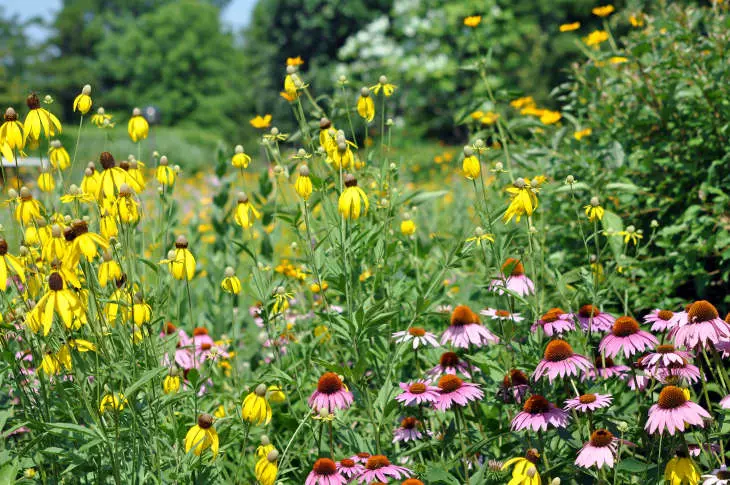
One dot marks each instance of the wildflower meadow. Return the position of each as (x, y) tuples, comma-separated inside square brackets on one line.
[(539, 298)]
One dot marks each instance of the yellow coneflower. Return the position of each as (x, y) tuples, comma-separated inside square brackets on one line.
[(276, 394), (240, 158), (365, 105), (9, 263), (231, 283), (383, 84), (112, 402), (407, 226), (267, 468), (84, 242), (137, 127), (524, 471), (83, 102), (81, 345), (630, 234), (265, 447), (11, 132), (473, 21), (342, 154), (303, 184), (480, 236), (171, 383), (101, 119), (579, 135), (259, 121), (182, 265), (28, 208), (60, 301), (58, 156), (570, 27), (202, 436), (37, 234), (108, 225), (90, 182), (141, 311), (134, 167), (594, 211), (327, 133), (220, 411), (45, 181), (292, 83), (470, 166), (524, 200), (50, 365), (75, 194), (118, 306), (681, 470), (39, 120), (256, 408), (603, 11), (109, 269), (56, 247), (245, 212), (353, 201), (126, 207), (164, 174)]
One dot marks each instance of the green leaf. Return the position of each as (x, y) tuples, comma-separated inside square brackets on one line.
[(146, 377), (8, 472), (613, 223)]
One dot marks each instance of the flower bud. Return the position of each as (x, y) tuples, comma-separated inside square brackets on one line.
[(383, 80), (229, 272), (86, 89), (468, 151), (260, 390), (570, 180), (136, 112), (364, 92)]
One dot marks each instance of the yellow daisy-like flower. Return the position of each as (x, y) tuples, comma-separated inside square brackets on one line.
[(84, 242), (524, 200), (388, 89), (550, 117), (523, 102), (141, 311), (524, 471), (603, 11), (594, 211), (108, 225), (58, 156), (471, 167), (231, 283), (165, 174), (245, 213), (294, 61), (407, 227), (579, 135), (256, 408), (480, 236), (171, 383), (473, 21), (220, 411), (630, 234), (292, 83), (353, 201), (91, 181), (55, 248), (101, 119), (28, 208), (50, 365), (81, 345), (112, 402), (45, 181), (8, 264), (37, 234), (342, 156), (365, 105), (11, 132), (570, 27), (261, 121), (681, 470), (39, 120), (489, 118), (596, 38), (83, 102), (111, 179), (117, 307), (303, 184), (182, 264), (126, 207), (109, 270), (240, 159), (137, 127), (319, 287), (202, 436), (267, 468), (60, 301), (276, 394)]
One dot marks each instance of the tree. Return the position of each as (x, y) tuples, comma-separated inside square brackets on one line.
[(17, 58)]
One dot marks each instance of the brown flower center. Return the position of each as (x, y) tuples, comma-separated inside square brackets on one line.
[(170, 328), (197, 331), (55, 282), (723, 475), (588, 311), (449, 359), (601, 438), (325, 466), (587, 398), (532, 455), (449, 383), (702, 311), (502, 313), (205, 346), (665, 315), (463, 315), (409, 423), (329, 383), (106, 160), (515, 377), (552, 315), (558, 350), (671, 397), (625, 326), (32, 101), (665, 349), (11, 115), (599, 361), (677, 365), (412, 481), (376, 462), (417, 331), (417, 388), (363, 455), (513, 267), (347, 463), (3, 247), (205, 421), (536, 405), (79, 227)]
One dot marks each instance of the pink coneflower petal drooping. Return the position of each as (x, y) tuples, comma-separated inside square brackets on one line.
[(514, 386), (325, 472), (417, 393), (593, 319), (560, 360), (513, 277), (725, 402), (418, 335), (503, 315), (704, 327), (349, 468), (330, 394), (466, 329), (663, 356), (605, 368), (379, 468), (451, 363), (626, 336), (599, 451), (662, 320), (554, 322), (408, 430), (537, 413), (678, 370), (719, 476), (455, 391), (673, 411), (589, 402)]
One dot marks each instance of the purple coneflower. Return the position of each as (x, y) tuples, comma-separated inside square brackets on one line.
[(514, 386), (673, 411), (361, 457), (466, 329), (516, 281), (495, 314), (626, 336), (725, 402), (455, 391), (349, 468), (589, 402), (662, 320), (537, 413), (599, 451), (663, 356), (719, 476), (554, 322), (408, 430), (682, 370), (704, 327), (418, 335), (560, 360), (417, 393), (379, 468), (593, 319), (330, 394), (325, 472), (450, 363), (605, 368)]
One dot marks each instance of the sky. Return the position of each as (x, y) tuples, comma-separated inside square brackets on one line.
[(236, 15)]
